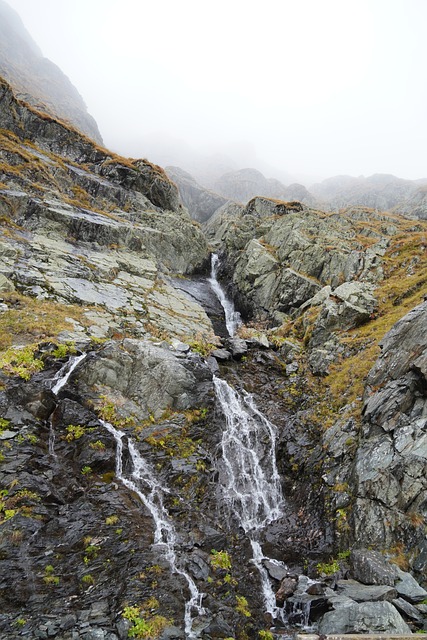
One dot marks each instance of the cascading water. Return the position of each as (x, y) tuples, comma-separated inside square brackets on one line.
[(60, 380), (251, 484), (232, 317), (143, 482)]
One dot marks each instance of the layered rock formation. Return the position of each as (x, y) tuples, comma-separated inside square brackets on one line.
[(36, 79), (87, 227)]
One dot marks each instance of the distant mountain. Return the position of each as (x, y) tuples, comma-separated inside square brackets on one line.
[(36, 79), (200, 202), (244, 184), (383, 192)]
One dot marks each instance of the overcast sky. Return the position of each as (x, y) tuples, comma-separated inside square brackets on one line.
[(312, 87)]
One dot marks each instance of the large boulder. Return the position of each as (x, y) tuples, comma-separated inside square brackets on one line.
[(364, 617)]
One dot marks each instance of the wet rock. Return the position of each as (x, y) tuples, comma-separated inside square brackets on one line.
[(143, 378), (276, 570), (286, 589), (365, 617), (363, 593)]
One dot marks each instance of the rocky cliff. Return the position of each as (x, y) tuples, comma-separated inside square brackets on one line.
[(36, 79), (83, 226), (200, 202)]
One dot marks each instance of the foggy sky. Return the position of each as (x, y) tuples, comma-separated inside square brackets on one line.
[(309, 87)]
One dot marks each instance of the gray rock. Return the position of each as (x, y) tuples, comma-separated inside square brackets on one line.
[(408, 609), (363, 593), (370, 567), (408, 587), (6, 284), (365, 617), (276, 570), (221, 354), (238, 347)]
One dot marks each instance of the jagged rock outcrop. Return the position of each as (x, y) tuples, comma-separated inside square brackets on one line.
[(36, 79), (281, 254), (200, 202), (391, 461), (59, 189)]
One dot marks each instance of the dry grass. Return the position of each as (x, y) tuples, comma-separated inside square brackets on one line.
[(29, 320)]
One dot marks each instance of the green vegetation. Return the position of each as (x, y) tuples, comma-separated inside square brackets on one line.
[(220, 560), (146, 623), (328, 568), (49, 577), (21, 362), (242, 606), (74, 432)]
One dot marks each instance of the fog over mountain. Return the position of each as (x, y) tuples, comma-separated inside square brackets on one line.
[(300, 91)]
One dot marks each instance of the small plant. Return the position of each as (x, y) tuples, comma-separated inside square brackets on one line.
[(242, 606), (88, 579), (97, 446), (86, 470), (220, 560), (328, 568), (63, 350), (112, 519), (74, 432), (265, 635), (20, 622), (143, 628), (49, 577)]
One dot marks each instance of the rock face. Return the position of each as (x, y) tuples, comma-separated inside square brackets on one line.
[(36, 79), (200, 202), (125, 216), (391, 462), (281, 255)]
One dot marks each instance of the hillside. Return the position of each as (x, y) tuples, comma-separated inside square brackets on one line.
[(36, 79), (160, 480)]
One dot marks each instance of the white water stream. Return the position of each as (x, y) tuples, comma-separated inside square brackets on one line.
[(144, 483), (232, 317), (251, 487), (60, 379)]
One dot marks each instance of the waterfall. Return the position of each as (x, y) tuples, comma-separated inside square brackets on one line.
[(251, 485), (144, 483), (232, 317), (60, 379)]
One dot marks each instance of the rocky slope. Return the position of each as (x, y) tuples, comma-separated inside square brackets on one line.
[(36, 79), (86, 227), (118, 514)]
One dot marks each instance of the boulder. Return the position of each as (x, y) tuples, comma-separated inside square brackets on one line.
[(371, 568), (364, 593), (365, 617)]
